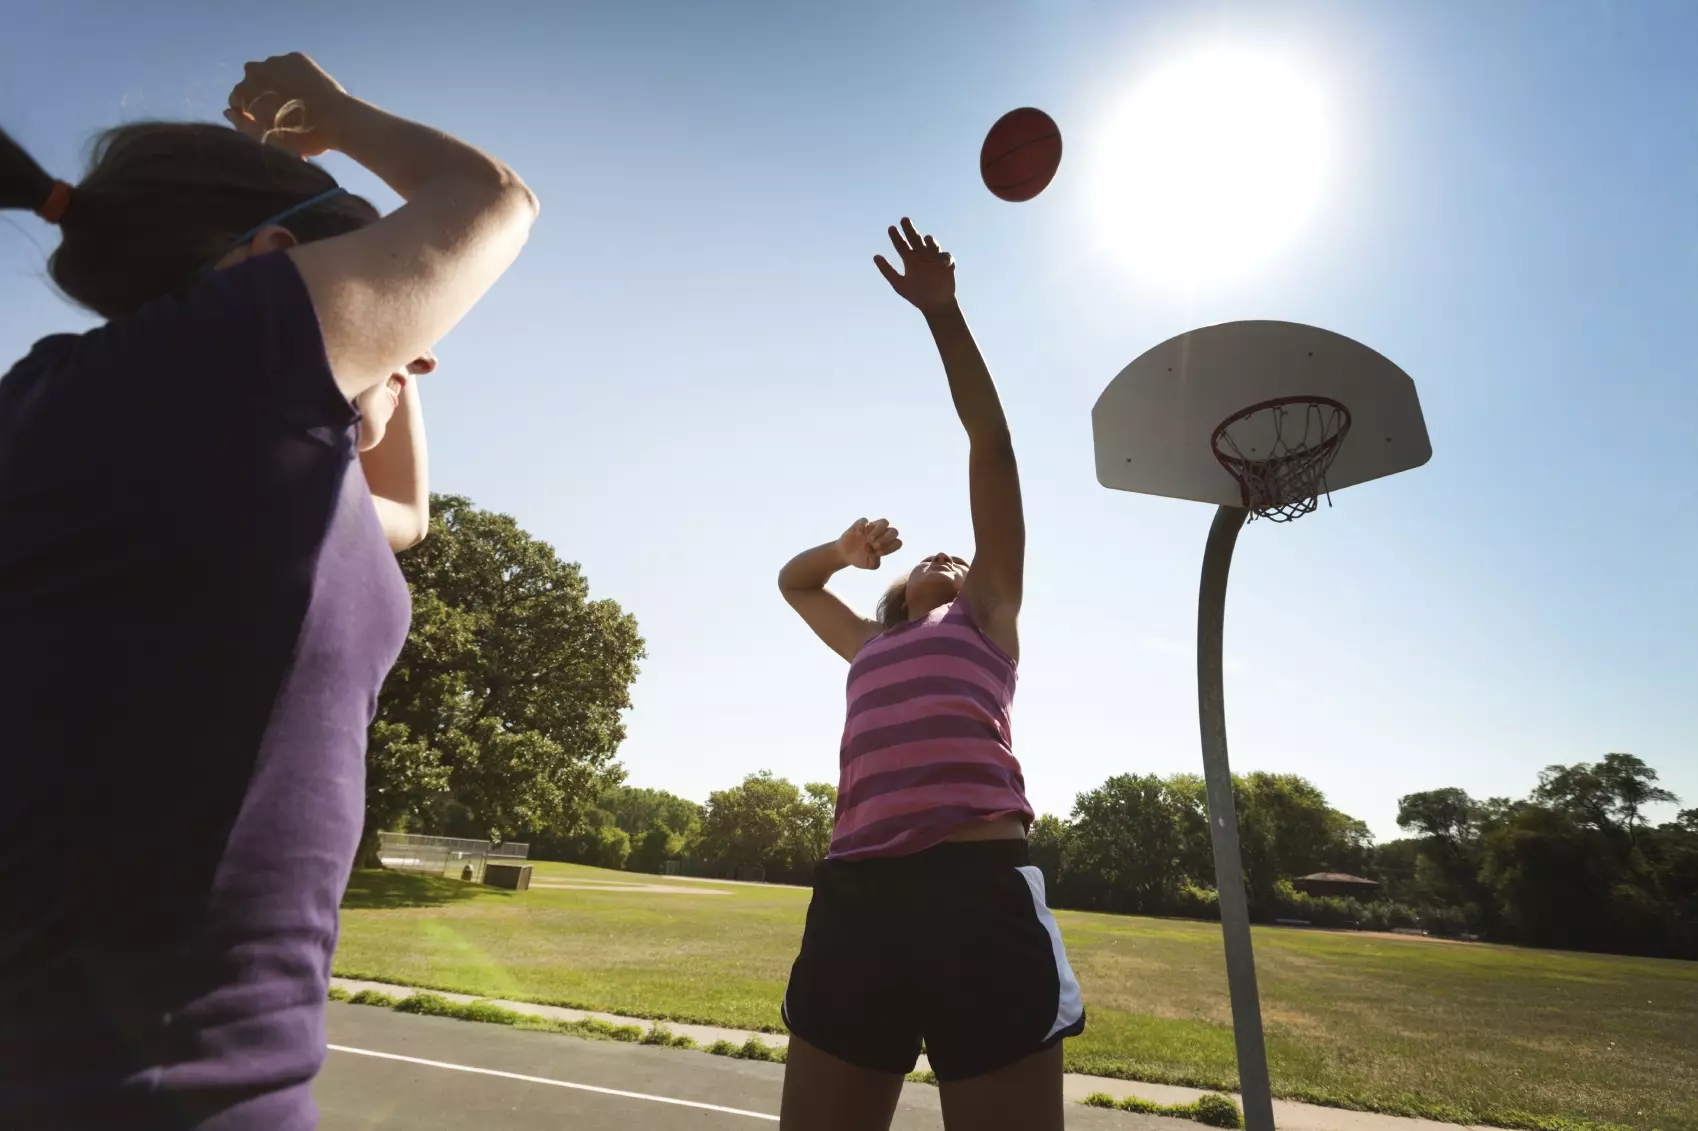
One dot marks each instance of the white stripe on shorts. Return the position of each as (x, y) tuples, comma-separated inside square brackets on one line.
[(1071, 1005)]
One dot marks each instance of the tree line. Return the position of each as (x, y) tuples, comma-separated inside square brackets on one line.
[(503, 719), (1573, 865), (764, 827)]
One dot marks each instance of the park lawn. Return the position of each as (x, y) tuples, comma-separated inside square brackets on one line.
[(1469, 1032)]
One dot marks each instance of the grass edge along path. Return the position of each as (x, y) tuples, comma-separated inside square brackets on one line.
[(1214, 1110), (1087, 1065)]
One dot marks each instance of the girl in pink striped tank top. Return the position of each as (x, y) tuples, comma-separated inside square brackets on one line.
[(928, 923)]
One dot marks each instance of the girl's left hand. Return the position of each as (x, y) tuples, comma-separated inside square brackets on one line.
[(927, 278)]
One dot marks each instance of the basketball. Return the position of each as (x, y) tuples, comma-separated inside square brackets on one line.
[(1021, 154)]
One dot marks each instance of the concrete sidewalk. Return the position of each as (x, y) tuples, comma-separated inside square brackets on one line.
[(1288, 1116)]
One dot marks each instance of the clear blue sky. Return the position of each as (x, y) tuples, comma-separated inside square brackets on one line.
[(695, 371)]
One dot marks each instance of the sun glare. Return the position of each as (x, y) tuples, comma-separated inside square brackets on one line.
[(1213, 164)]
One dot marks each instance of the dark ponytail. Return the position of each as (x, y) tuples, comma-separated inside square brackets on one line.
[(162, 200), (23, 183), (893, 606)]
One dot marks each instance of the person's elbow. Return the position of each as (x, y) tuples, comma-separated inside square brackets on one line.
[(410, 537), (992, 438), (403, 526), (526, 199), (514, 197)]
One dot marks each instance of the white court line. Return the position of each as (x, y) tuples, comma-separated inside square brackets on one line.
[(554, 1083)]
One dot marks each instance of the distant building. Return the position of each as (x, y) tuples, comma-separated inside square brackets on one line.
[(1336, 883)]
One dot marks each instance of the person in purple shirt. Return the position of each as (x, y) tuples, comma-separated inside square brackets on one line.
[(200, 502)]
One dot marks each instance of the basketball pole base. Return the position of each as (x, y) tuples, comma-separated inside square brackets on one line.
[(1223, 823)]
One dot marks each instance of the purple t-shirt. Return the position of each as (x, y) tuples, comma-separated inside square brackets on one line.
[(197, 610)]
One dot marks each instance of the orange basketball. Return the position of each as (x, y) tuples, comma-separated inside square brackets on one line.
[(1021, 154)]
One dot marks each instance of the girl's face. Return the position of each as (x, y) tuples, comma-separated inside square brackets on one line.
[(935, 581)]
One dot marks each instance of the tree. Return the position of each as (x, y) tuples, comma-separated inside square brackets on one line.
[(1550, 878), (1125, 846), (1443, 814), (766, 822), (1047, 843), (1632, 783), (1350, 844), (651, 850), (638, 810), (659, 824), (1581, 792), (1609, 796), (1286, 829), (811, 838), (1448, 864), (1393, 864), (594, 840), (509, 693)]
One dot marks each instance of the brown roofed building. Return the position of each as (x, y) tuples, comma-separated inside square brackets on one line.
[(1336, 883)]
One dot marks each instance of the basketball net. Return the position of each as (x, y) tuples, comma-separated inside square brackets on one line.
[(1279, 452)]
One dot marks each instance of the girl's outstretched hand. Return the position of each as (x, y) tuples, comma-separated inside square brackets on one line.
[(289, 102), (865, 543), (927, 278)]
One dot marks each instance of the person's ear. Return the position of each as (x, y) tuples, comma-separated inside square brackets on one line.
[(272, 237)]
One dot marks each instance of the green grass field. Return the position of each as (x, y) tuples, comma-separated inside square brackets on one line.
[(1467, 1032)]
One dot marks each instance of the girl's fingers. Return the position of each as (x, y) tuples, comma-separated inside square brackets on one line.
[(891, 275), (902, 246)]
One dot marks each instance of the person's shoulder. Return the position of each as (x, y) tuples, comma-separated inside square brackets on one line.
[(961, 615), (236, 303), (45, 356), (246, 335), (22, 383)]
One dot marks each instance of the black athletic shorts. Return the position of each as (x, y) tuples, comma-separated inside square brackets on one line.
[(952, 947)]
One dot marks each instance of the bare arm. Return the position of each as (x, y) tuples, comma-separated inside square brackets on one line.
[(397, 471), (385, 294), (996, 582), (803, 580)]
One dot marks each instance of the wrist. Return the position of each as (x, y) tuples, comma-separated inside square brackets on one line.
[(340, 120), (942, 313)]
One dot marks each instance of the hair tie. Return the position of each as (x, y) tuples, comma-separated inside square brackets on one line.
[(53, 208)]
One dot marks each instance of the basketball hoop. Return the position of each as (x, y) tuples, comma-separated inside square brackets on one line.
[(1279, 452), (1167, 425)]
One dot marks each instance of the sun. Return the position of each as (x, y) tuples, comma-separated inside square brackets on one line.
[(1214, 163)]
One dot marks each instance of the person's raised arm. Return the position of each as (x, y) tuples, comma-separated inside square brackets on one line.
[(996, 580), (388, 292), (803, 578)]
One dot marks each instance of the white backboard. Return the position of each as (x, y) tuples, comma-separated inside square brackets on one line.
[(1153, 426)]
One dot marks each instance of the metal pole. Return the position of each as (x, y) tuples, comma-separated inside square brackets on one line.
[(1223, 823)]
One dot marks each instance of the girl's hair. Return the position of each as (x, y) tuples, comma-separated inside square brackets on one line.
[(162, 200), (893, 606)]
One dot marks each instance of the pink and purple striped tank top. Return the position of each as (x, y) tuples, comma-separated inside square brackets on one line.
[(926, 749)]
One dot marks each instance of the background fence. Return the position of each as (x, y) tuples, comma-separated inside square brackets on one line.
[(458, 857)]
